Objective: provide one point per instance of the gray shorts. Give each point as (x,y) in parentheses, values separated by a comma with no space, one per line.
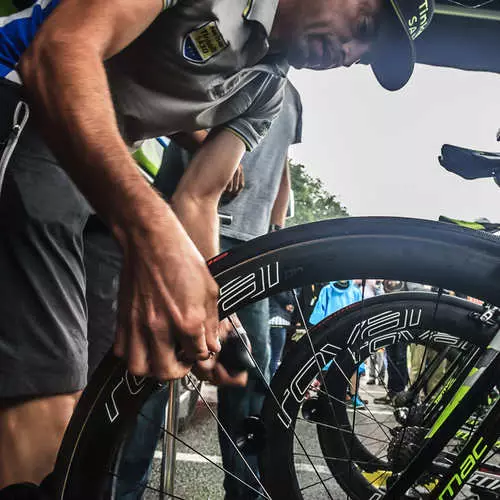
(43,308)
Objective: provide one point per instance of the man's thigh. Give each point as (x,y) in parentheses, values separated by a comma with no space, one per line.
(43,347)
(30,435)
(103,260)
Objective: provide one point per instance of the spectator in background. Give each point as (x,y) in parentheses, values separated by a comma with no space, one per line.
(333,297)
(421,355)
(397,368)
(281,308)
(376,369)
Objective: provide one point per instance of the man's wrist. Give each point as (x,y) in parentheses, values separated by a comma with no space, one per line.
(274,227)
(140,210)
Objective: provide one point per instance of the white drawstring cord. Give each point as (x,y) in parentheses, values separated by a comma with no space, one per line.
(21,115)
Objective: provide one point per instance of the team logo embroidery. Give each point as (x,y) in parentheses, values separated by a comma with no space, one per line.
(203,43)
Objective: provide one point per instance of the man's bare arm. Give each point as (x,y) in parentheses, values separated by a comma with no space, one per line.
(280,207)
(66,84)
(196,203)
(192,141)
(65,80)
(197,197)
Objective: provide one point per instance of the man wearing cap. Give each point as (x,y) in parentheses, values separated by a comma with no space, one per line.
(99,76)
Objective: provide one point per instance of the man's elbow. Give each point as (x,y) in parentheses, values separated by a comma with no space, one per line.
(195,200)
(45,58)
(199,192)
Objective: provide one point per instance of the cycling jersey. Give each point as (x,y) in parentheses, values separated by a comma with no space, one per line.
(17,32)
(202,65)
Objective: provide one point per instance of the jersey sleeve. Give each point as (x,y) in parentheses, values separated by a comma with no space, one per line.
(254,123)
(294,97)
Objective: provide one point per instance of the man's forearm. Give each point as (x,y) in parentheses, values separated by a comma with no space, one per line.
(197,197)
(67,88)
(201,221)
(280,207)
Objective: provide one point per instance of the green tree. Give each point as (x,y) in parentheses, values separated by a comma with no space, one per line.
(312,201)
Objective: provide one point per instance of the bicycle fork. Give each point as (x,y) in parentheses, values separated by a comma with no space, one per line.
(480,380)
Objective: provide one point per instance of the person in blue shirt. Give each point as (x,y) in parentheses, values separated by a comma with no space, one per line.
(333,297)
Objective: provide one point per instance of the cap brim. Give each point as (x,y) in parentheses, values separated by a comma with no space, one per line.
(393,55)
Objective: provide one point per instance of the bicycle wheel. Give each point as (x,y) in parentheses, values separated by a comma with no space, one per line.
(353,447)
(420,251)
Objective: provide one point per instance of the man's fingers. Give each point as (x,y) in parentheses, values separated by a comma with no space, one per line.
(212,327)
(123,314)
(166,366)
(215,373)
(193,345)
(241,181)
(230,186)
(165,363)
(204,369)
(138,352)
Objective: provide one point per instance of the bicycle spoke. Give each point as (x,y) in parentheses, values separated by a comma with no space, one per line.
(338,429)
(269,389)
(202,455)
(315,484)
(368,415)
(233,444)
(149,488)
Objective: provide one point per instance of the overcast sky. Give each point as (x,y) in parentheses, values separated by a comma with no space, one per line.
(377,151)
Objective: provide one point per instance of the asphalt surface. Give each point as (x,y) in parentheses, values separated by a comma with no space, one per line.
(197,479)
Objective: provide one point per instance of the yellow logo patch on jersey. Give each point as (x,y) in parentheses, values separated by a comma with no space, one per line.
(203,43)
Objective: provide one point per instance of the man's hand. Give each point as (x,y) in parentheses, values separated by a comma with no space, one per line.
(212,371)
(236,184)
(167,301)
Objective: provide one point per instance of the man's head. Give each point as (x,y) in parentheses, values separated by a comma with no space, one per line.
(322,34)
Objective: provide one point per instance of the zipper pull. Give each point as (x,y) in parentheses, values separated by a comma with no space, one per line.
(21,115)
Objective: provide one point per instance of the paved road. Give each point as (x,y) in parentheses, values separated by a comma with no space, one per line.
(196,479)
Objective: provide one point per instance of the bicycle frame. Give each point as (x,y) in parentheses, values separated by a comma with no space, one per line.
(480,380)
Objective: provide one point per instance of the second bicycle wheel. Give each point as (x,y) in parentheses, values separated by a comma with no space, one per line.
(356,449)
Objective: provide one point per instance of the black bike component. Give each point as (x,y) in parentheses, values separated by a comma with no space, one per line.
(312,410)
(412,415)
(468,163)
(488,366)
(405,398)
(444,255)
(234,355)
(403,446)
(253,437)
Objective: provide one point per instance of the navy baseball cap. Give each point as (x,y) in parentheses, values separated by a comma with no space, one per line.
(393,55)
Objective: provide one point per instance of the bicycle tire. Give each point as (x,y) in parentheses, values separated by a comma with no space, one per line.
(415,250)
